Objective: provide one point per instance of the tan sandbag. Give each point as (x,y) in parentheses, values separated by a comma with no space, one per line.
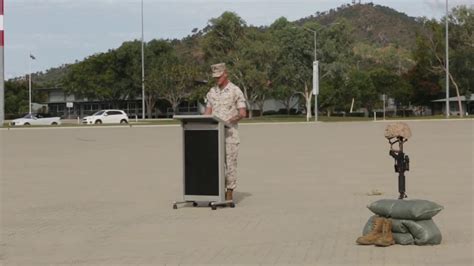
(398,129)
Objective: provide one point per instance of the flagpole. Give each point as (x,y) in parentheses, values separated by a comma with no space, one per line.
(29,82)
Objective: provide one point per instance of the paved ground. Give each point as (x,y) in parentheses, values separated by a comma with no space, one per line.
(103,196)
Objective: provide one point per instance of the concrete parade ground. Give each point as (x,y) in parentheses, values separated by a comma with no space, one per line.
(103,196)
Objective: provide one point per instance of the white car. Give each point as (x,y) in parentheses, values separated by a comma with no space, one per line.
(106,117)
(36,120)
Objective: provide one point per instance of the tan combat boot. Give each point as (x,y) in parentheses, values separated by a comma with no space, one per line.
(387,237)
(372,236)
(228,194)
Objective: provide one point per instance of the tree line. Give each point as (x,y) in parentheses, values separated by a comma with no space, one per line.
(276,62)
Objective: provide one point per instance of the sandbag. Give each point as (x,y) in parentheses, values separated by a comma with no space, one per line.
(424,232)
(405,209)
(407,232)
(403,239)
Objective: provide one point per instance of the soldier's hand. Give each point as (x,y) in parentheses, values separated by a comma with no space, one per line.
(234,120)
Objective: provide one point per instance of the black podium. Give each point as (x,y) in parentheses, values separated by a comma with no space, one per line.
(203,160)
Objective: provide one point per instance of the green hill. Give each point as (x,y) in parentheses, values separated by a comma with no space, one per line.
(373,24)
(380,33)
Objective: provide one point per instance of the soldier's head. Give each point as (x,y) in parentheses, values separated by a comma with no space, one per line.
(219,73)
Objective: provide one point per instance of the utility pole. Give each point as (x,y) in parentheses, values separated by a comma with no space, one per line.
(143,70)
(447,65)
(2,67)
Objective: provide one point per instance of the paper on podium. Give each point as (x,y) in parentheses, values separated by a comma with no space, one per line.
(197,118)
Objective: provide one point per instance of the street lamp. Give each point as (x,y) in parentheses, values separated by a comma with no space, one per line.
(316,72)
(143,70)
(447,64)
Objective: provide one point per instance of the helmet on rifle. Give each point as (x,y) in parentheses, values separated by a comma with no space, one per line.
(398,130)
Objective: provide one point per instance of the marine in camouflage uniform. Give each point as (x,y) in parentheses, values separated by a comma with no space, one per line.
(227,102)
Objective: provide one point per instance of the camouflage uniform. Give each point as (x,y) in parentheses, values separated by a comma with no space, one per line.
(225,104)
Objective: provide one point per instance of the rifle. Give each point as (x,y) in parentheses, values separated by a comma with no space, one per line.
(402,163)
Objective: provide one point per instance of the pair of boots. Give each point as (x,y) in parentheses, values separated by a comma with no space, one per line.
(381,234)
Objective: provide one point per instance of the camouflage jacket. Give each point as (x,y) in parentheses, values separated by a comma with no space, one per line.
(225,104)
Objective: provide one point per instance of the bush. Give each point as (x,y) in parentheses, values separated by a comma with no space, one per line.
(271,112)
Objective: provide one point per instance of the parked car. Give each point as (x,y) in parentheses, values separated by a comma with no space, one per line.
(106,117)
(36,120)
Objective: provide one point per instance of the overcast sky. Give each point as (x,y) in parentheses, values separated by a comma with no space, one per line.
(62,31)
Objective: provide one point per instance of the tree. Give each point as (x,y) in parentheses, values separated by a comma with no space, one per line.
(336,58)
(160,56)
(223,37)
(402,93)
(360,86)
(292,69)
(281,81)
(178,82)
(247,52)
(112,76)
(392,85)
(391,57)
(431,46)
(425,85)
(283,95)
(253,63)
(17,98)
(430,49)
(462,44)
(385,82)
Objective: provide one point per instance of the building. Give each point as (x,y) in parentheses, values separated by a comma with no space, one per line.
(439,106)
(71,106)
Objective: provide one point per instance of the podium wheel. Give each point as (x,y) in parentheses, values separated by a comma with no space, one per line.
(195,204)
(232,205)
(175,207)
(214,208)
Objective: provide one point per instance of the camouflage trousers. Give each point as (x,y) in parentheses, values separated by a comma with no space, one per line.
(231,153)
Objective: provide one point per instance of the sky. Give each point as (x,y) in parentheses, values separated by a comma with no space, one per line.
(59,32)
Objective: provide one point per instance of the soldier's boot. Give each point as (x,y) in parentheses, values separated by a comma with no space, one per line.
(372,236)
(228,194)
(387,237)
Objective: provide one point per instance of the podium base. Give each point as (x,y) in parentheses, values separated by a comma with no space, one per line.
(212,204)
